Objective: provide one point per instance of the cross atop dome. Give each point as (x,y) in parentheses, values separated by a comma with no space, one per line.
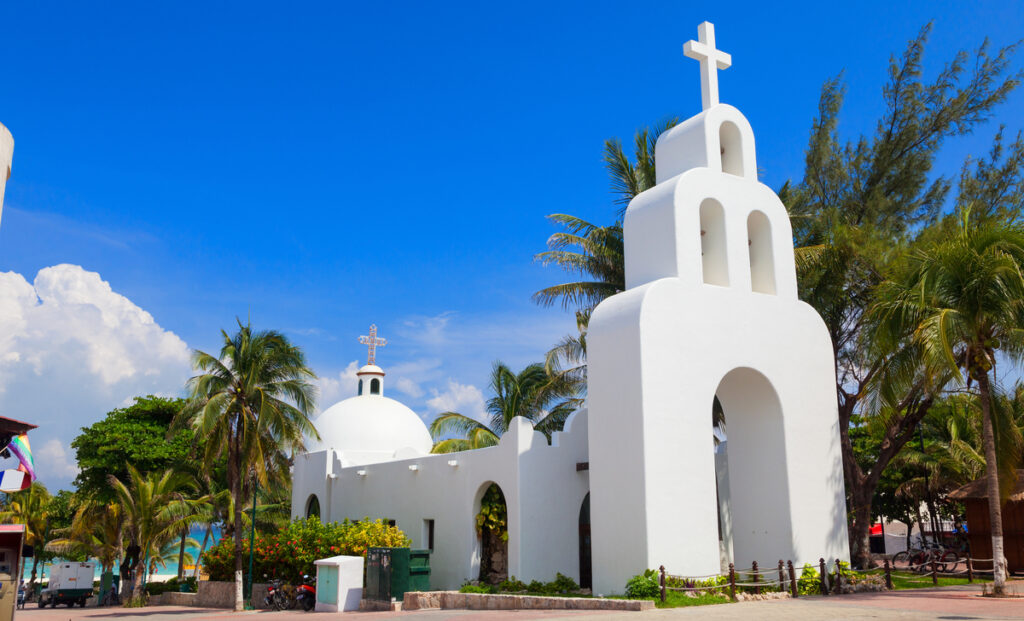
(372,343)
(711,60)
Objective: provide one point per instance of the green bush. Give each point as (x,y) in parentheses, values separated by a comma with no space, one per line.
(563,584)
(511,585)
(156,588)
(809,582)
(643,586)
(290,553)
(476,588)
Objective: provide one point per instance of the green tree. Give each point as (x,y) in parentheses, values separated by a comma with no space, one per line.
(153,506)
(595,253)
(251,403)
(30,507)
(135,435)
(532,393)
(852,214)
(96,531)
(960,301)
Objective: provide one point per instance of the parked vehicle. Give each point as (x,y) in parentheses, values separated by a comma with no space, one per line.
(70,583)
(276,598)
(305,593)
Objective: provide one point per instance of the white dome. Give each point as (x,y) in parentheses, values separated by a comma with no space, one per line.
(371,428)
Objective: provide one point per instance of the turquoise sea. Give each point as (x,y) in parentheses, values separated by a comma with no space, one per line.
(171,568)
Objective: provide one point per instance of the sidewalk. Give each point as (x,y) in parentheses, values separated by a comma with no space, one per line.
(949,603)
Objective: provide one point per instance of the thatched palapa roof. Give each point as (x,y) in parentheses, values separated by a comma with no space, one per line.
(978,490)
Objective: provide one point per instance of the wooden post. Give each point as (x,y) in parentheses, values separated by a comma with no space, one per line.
(888,575)
(732,581)
(792,579)
(782,578)
(839,578)
(970,568)
(757,589)
(824,576)
(935,571)
(662,582)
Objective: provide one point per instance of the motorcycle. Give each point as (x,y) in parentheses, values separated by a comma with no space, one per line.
(305,595)
(276,598)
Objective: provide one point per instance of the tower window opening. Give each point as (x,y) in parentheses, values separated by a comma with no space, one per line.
(360,387)
(762,262)
(714,262)
(375,386)
(731,143)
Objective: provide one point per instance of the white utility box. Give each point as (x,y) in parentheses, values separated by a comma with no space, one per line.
(339,583)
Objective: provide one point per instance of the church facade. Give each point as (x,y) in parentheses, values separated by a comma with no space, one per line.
(710,315)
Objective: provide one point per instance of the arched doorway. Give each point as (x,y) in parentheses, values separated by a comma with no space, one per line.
(586,565)
(754,486)
(492,532)
(313,507)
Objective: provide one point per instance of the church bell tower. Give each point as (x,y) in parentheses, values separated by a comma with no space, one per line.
(710,310)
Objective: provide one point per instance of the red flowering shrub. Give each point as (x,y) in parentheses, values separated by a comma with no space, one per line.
(290,553)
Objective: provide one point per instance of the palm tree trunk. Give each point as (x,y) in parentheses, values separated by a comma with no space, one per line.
(140,572)
(992,477)
(234,472)
(181,556)
(202,548)
(32,576)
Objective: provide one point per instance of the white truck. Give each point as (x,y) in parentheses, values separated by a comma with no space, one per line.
(70,583)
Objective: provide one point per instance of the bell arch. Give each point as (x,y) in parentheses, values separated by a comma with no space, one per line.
(762,258)
(730,142)
(713,255)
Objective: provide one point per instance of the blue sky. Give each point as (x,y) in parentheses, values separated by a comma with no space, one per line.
(319,167)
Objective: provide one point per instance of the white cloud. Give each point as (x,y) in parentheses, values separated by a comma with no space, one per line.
(59,459)
(72,349)
(427,330)
(465,399)
(409,387)
(334,388)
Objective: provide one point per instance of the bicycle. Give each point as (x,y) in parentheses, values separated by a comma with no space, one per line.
(920,559)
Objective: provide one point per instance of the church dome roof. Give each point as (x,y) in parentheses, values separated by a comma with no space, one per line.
(371,427)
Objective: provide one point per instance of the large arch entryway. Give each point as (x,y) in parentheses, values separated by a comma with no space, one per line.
(491,520)
(586,565)
(752,471)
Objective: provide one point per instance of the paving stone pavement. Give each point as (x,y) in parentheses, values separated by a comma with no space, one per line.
(950,603)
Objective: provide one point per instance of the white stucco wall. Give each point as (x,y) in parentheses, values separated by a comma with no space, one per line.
(6,156)
(659,352)
(543,492)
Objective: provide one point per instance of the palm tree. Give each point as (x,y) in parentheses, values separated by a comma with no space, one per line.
(593,252)
(96,532)
(29,507)
(961,300)
(252,402)
(154,508)
(535,395)
(169,552)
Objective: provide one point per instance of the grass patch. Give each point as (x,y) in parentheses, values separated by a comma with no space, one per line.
(905,580)
(674,599)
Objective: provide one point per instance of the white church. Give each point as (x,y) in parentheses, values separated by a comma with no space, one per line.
(635,479)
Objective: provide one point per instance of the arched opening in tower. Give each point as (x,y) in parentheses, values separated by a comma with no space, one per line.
(752,471)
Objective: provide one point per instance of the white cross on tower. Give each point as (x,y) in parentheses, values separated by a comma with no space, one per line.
(711,60)
(372,343)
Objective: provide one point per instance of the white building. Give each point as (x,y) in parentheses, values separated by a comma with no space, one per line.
(6,155)
(710,310)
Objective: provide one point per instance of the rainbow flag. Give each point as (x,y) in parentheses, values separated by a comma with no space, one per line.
(20,448)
